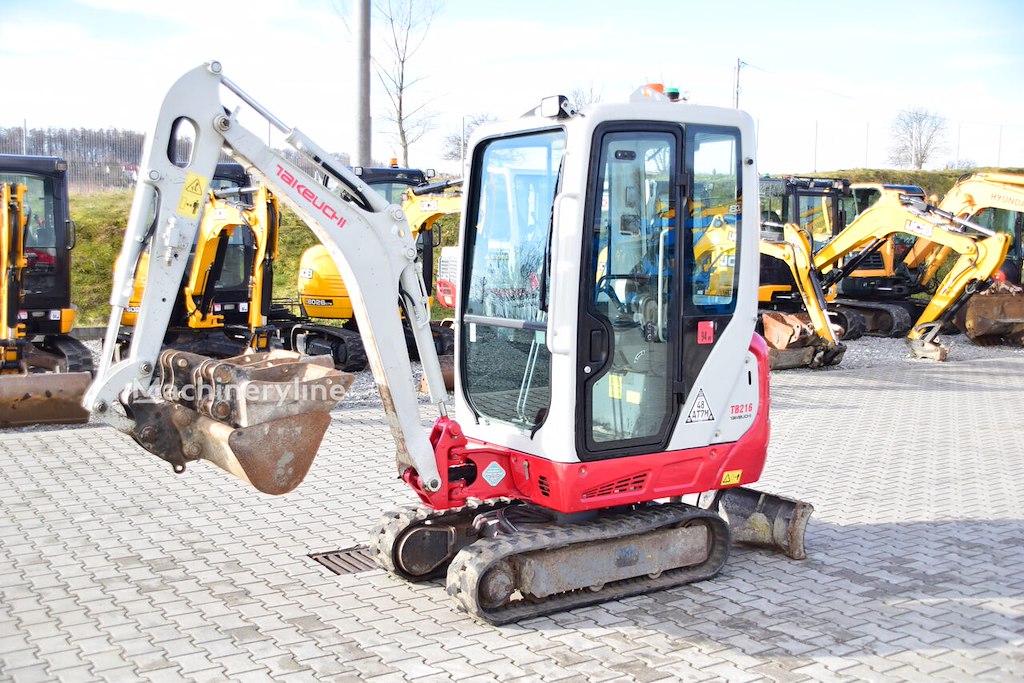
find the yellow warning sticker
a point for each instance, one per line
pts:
(192, 196)
(615, 386)
(732, 477)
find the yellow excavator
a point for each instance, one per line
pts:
(878, 296)
(224, 301)
(996, 201)
(322, 293)
(798, 216)
(981, 252)
(44, 371)
(798, 339)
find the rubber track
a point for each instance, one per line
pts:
(77, 354)
(853, 322)
(396, 523)
(472, 562)
(901, 320)
(355, 353)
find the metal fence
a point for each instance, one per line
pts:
(98, 160)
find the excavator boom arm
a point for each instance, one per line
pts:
(369, 239)
(979, 258)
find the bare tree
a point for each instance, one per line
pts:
(454, 146)
(581, 97)
(405, 26)
(959, 165)
(917, 137)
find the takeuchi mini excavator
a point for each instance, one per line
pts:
(590, 404)
(44, 371)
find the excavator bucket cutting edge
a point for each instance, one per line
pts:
(43, 398)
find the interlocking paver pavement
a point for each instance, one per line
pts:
(112, 568)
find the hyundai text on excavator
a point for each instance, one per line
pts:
(44, 372)
(589, 402)
(996, 201)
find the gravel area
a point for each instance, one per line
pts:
(873, 352)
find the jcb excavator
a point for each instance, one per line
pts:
(793, 305)
(322, 293)
(981, 252)
(996, 201)
(589, 403)
(224, 300)
(44, 372)
(880, 291)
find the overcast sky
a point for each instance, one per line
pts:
(822, 80)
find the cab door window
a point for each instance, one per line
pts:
(629, 341)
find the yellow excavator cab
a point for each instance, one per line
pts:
(44, 372)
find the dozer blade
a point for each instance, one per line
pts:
(787, 359)
(43, 398)
(783, 331)
(993, 317)
(260, 417)
(765, 520)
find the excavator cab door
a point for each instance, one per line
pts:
(505, 362)
(655, 297)
(628, 358)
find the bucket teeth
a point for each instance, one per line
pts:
(259, 416)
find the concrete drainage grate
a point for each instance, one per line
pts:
(351, 561)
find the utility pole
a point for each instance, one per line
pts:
(361, 21)
(462, 144)
(736, 85)
(867, 140)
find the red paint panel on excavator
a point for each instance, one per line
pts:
(477, 470)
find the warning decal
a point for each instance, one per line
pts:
(732, 477)
(192, 196)
(701, 410)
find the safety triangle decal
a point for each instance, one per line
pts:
(701, 410)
